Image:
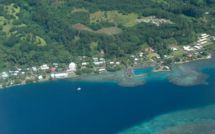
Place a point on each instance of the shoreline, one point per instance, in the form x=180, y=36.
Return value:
x=122, y=78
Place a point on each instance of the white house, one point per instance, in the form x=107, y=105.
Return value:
x=141, y=54
x=22, y=73
x=4, y=75
x=174, y=48
x=203, y=42
x=204, y=35
x=99, y=62
x=72, y=67
x=111, y=63
x=40, y=77
x=95, y=59
x=44, y=67
x=136, y=59
x=102, y=70
x=197, y=47
x=34, y=69
x=118, y=63
x=102, y=59
x=84, y=63
x=59, y=75
x=188, y=48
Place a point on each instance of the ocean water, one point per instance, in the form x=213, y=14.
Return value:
x=57, y=107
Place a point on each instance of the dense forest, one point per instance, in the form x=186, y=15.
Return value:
x=33, y=32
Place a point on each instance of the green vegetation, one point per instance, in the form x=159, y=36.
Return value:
x=48, y=31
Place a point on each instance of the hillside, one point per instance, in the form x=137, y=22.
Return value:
x=48, y=31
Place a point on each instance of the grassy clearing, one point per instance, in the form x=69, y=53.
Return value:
x=109, y=31
x=36, y=40
x=39, y=41
x=127, y=20
x=97, y=17
x=7, y=24
x=106, y=31
x=81, y=27
x=12, y=10
x=93, y=45
x=78, y=10
x=160, y=1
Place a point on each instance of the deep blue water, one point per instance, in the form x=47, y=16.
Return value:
x=99, y=108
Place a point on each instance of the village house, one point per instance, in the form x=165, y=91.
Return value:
x=117, y=63
x=15, y=73
x=174, y=49
x=101, y=70
x=136, y=59
x=72, y=67
x=97, y=63
x=84, y=63
x=197, y=47
x=4, y=75
x=95, y=59
x=141, y=54
x=188, y=48
x=102, y=59
x=59, y=75
x=22, y=73
x=44, y=67
x=149, y=50
x=34, y=69
x=40, y=77
x=111, y=63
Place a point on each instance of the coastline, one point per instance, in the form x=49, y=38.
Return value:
x=122, y=77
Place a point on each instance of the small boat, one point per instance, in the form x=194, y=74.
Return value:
x=79, y=89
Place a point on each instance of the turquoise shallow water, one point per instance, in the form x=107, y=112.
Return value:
x=104, y=108
x=140, y=71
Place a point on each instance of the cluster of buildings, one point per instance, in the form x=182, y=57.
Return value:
x=53, y=71
x=7, y=74
x=154, y=20
x=201, y=42
x=40, y=73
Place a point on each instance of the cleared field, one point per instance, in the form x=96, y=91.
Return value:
x=37, y=40
x=12, y=10
x=127, y=20
x=81, y=27
x=107, y=30
x=78, y=10
x=7, y=24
